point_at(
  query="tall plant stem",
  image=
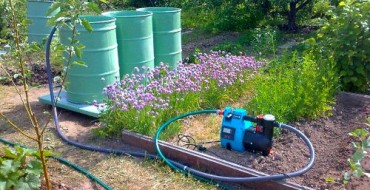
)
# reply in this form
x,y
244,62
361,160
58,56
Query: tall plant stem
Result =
x,y
27,104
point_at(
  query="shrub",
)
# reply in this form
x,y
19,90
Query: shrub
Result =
x,y
345,37
294,87
145,99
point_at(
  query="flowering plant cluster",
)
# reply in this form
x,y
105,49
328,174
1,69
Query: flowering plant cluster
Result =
x,y
147,97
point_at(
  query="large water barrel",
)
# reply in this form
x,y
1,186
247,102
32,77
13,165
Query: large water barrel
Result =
x,y
167,34
37,14
135,39
84,84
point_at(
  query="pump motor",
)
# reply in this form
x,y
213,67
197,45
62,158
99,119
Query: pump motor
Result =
x,y
238,132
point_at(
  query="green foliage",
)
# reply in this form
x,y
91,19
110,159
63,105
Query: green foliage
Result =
x,y
218,15
294,87
361,143
345,38
5,26
20,168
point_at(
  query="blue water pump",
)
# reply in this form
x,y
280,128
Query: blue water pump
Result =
x,y
238,132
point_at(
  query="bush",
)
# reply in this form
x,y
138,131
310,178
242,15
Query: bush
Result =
x,y
294,87
345,37
141,102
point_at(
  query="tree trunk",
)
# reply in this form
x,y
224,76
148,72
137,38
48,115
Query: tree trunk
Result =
x,y
292,15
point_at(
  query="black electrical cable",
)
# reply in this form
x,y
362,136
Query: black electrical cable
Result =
x,y
188,141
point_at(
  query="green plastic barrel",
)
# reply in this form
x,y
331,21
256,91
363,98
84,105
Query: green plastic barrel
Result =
x,y
37,14
135,39
167,34
84,84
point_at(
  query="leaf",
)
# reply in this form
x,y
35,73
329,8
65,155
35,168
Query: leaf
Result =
x,y
10,153
352,164
103,1
34,167
366,144
54,7
87,25
358,172
329,179
35,47
358,155
47,153
9,166
359,133
78,50
30,182
79,63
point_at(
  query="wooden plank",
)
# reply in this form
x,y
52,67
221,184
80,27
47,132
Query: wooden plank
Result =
x,y
206,163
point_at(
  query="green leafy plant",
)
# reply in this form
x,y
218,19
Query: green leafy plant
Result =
x,y
345,37
264,42
361,143
293,87
20,168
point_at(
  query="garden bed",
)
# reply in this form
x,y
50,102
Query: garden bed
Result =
x,y
329,136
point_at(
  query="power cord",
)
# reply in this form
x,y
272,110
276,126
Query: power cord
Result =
x,y
188,141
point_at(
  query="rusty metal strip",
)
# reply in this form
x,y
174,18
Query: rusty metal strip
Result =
x,y
206,163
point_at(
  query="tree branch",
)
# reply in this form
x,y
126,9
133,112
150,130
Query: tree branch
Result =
x,y
16,127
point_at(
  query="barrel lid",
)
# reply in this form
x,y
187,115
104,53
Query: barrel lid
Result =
x,y
127,13
95,19
160,9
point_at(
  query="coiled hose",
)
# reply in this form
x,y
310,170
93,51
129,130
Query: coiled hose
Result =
x,y
235,179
